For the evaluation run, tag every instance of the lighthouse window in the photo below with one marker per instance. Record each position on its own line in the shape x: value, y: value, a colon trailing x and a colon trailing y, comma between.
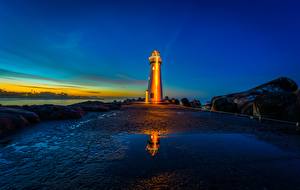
x: 151, y: 95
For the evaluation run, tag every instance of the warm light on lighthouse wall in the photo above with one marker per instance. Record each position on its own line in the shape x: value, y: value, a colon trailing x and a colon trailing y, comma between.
x: 154, y: 93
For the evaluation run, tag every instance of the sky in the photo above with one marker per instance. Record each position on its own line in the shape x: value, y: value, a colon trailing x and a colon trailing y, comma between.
x: 101, y: 48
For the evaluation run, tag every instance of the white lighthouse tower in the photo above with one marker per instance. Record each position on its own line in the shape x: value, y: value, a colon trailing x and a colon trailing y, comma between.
x: 154, y: 94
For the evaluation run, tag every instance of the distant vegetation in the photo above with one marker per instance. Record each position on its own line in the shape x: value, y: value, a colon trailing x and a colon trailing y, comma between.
x: 41, y: 95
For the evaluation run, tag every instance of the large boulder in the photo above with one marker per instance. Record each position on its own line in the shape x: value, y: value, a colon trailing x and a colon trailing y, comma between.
x: 55, y: 112
x: 261, y: 100
x: 281, y: 84
x: 277, y: 106
x: 185, y: 102
x: 140, y: 99
x: 174, y: 101
x: 113, y: 105
x: 224, y: 104
x: 10, y: 121
x: 29, y: 116
x: 195, y: 103
x: 96, y: 106
x: 294, y: 110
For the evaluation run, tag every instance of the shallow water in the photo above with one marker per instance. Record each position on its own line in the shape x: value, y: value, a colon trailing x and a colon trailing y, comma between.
x: 86, y: 154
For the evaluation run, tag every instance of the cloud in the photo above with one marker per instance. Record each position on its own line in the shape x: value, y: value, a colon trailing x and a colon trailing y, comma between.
x: 38, y: 87
x: 118, y: 79
x: 60, y: 60
x: 93, y: 92
x: 131, y: 79
x: 11, y: 74
x: 56, y: 57
x: 77, y: 81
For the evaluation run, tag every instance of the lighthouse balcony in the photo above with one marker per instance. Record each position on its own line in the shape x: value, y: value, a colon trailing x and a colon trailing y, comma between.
x: 154, y: 59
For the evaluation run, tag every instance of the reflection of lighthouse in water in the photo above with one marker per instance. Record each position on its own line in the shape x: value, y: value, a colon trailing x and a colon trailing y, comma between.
x: 153, y: 143
x: 154, y: 93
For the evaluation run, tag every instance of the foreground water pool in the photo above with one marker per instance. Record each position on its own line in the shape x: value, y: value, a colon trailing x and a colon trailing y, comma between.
x: 84, y: 155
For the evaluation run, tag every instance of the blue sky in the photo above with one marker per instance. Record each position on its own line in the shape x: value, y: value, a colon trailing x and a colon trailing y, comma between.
x: 208, y: 47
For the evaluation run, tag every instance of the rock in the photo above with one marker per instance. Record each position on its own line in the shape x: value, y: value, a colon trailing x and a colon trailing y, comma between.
x: 185, y: 102
x: 140, y: 99
x: 243, y: 102
x: 207, y: 106
x: 292, y: 111
x: 15, y: 118
x: 97, y: 106
x: 128, y: 101
x: 247, y: 108
x: 195, y: 103
x: 224, y: 104
x: 298, y: 106
x: 10, y: 122
x: 113, y: 106
x: 29, y: 116
x: 282, y: 83
x: 55, y: 112
x: 277, y: 106
x: 174, y: 101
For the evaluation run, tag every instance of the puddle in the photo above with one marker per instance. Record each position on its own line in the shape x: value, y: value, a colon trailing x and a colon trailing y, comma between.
x: 191, y: 158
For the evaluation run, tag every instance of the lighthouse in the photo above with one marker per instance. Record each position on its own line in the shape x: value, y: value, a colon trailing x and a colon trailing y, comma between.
x: 154, y: 94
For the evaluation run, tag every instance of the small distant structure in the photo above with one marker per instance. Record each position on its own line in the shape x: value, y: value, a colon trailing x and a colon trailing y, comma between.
x: 154, y: 94
x: 146, y: 96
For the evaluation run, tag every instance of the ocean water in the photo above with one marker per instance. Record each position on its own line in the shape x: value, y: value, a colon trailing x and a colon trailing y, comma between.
x: 22, y: 101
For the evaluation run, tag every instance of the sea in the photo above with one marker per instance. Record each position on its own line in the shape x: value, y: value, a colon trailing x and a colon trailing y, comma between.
x: 22, y: 101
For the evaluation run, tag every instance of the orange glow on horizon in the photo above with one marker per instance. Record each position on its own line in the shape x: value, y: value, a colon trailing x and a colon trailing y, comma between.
x: 74, y: 91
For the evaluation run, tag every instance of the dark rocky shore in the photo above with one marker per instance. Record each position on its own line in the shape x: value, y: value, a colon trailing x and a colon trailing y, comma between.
x: 278, y: 99
x: 16, y: 117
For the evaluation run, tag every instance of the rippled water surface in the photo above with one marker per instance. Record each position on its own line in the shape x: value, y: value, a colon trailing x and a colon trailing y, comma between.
x: 94, y: 153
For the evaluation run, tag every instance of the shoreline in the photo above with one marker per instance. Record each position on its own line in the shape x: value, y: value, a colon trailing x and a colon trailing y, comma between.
x: 13, y: 118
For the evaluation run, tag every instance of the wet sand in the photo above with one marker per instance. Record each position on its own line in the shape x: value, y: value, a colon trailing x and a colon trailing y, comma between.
x: 152, y: 147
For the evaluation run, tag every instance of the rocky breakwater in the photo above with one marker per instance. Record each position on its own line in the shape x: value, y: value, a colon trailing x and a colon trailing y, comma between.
x: 96, y: 106
x: 15, y: 117
x: 277, y: 99
x: 12, y: 119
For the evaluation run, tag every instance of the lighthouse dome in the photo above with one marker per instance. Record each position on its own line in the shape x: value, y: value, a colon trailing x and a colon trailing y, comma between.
x: 155, y: 57
x: 155, y: 53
